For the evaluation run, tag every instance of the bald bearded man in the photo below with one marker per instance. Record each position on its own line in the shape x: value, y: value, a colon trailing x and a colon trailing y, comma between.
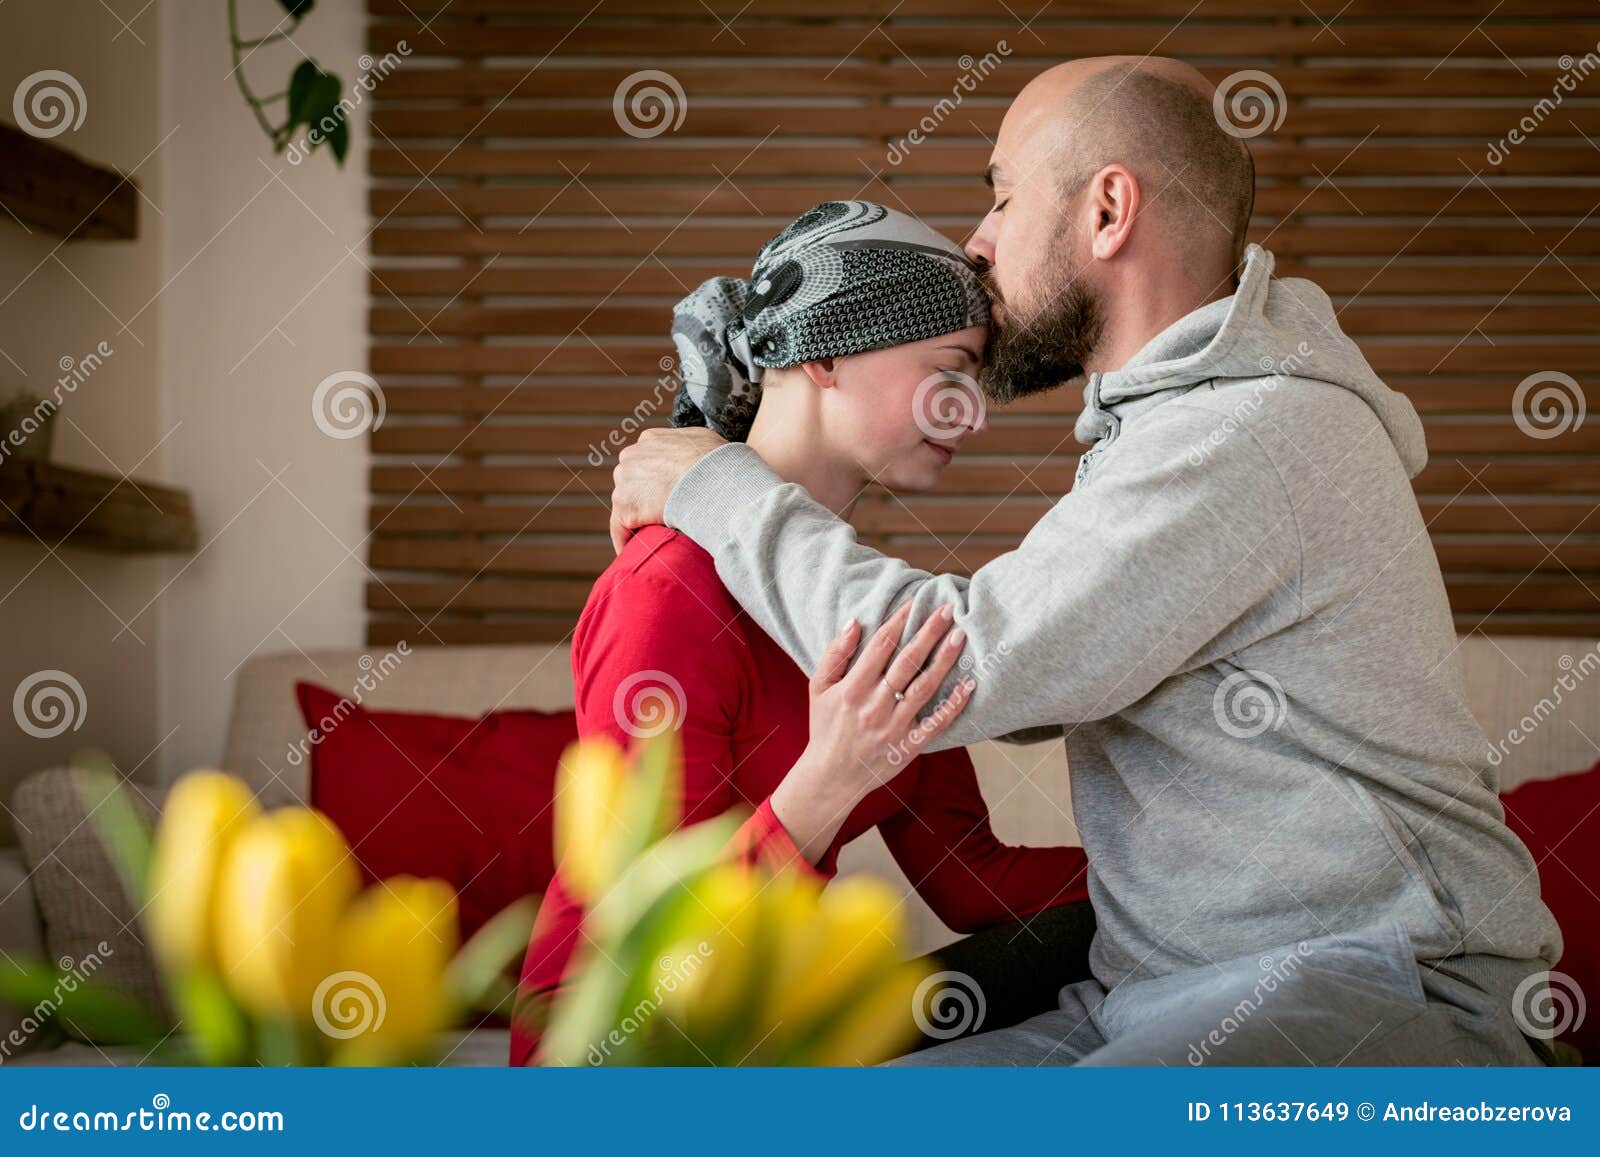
x: 1235, y: 617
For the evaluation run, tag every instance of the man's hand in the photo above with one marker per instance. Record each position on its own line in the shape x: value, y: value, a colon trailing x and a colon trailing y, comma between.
x: 646, y: 473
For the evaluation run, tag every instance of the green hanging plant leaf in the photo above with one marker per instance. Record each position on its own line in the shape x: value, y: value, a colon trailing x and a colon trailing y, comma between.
x: 339, y: 141
x: 298, y: 8
x: 302, y: 83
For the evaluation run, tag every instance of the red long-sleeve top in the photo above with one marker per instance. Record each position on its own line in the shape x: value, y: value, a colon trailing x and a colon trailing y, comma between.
x: 659, y: 618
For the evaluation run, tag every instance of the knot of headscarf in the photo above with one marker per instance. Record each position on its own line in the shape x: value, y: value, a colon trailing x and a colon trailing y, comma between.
x: 844, y: 277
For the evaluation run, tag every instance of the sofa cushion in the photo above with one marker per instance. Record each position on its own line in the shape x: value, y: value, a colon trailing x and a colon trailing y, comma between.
x: 1559, y: 820
x: 265, y: 732
x: 21, y: 937
x: 90, y: 922
x: 467, y: 800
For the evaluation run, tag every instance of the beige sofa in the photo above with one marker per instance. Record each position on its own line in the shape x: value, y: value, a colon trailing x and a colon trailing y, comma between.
x: 1507, y: 679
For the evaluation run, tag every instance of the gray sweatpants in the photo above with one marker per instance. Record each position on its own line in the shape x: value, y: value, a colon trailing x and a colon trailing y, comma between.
x: 1353, y: 999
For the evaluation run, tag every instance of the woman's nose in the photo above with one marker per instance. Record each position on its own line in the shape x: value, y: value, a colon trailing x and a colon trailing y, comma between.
x: 981, y: 422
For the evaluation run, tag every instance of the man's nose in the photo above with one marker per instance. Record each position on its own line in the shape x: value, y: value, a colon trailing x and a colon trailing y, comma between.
x: 980, y: 247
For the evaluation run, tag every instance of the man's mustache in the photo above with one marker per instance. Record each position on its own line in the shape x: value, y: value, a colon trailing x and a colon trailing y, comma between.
x: 990, y: 285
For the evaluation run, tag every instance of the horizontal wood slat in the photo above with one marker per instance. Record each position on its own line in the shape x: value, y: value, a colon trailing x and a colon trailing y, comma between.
x: 1049, y: 41
x: 961, y: 198
x: 972, y: 121
x: 782, y: 157
x: 567, y: 11
x: 526, y: 253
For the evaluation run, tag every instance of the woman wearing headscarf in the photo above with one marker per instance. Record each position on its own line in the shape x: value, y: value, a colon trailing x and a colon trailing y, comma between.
x: 847, y: 357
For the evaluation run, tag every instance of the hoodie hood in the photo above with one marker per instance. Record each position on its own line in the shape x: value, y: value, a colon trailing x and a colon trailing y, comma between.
x: 1283, y: 326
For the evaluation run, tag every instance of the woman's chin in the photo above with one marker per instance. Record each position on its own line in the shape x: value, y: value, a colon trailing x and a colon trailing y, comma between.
x: 914, y: 478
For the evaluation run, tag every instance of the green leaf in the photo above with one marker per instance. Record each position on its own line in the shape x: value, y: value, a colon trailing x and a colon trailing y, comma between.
x: 651, y: 804
x: 629, y: 927
x: 499, y: 997
x: 220, y: 1032
x: 339, y: 141
x: 123, y: 831
x: 324, y: 99
x: 492, y: 948
x: 664, y: 865
x: 98, y: 1012
x: 301, y: 83
x: 298, y: 8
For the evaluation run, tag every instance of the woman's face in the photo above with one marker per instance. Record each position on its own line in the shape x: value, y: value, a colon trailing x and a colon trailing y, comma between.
x: 903, y: 412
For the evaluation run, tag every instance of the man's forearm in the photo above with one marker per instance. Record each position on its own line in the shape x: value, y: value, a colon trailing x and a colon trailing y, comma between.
x: 800, y: 573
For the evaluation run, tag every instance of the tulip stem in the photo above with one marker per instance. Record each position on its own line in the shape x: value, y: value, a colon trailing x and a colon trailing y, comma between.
x: 278, y: 1043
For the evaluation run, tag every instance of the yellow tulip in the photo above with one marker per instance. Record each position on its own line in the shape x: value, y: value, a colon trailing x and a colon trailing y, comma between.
x: 285, y: 883
x: 879, y: 1025
x: 828, y: 947
x: 726, y: 909
x: 590, y: 791
x: 386, y: 1001
x: 204, y: 813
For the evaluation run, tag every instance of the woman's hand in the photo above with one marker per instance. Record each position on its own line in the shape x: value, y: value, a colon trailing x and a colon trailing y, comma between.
x: 863, y: 733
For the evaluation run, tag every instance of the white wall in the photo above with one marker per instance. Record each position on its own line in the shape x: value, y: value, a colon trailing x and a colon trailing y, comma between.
x: 264, y: 302
x: 238, y: 297
x: 68, y: 611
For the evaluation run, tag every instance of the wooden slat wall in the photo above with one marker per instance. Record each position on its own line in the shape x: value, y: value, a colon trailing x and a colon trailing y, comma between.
x: 526, y: 253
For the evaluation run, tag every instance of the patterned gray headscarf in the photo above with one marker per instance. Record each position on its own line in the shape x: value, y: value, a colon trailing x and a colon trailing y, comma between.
x: 844, y: 277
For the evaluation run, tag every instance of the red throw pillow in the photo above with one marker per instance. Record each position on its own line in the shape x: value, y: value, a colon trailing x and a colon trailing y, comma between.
x: 1559, y: 820
x: 465, y: 800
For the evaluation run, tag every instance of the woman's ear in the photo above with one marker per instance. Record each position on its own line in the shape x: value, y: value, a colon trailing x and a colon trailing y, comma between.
x: 823, y: 374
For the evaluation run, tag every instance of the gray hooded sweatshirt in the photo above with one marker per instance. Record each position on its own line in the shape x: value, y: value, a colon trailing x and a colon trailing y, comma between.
x: 1237, y: 620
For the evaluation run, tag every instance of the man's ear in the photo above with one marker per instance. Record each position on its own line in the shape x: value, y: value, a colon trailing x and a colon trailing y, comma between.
x: 1114, y: 199
x: 822, y: 373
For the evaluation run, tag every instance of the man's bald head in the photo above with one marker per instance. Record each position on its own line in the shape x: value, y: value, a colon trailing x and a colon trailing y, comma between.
x: 1156, y: 117
x: 1120, y: 204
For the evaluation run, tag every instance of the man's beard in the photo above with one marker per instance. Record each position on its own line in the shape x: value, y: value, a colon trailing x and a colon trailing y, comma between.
x: 1030, y: 355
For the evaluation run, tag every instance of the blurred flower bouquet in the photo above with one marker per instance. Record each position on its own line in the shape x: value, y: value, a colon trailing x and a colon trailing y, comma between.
x: 692, y: 958
x: 269, y: 949
x: 272, y: 953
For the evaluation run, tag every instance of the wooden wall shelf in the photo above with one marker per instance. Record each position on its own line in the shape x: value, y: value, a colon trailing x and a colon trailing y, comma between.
x: 45, y: 185
x: 96, y: 511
